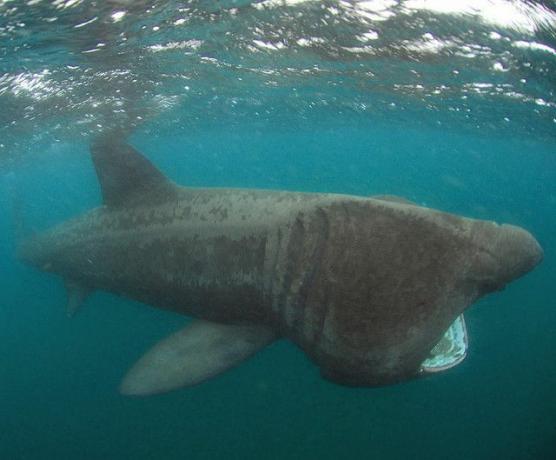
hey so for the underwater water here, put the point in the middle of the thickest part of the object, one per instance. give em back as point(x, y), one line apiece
point(452, 107)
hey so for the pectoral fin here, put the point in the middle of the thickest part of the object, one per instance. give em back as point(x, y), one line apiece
point(192, 355)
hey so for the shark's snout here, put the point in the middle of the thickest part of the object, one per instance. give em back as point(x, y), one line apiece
point(519, 251)
point(508, 252)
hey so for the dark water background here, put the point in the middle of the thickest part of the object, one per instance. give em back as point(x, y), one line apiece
point(327, 110)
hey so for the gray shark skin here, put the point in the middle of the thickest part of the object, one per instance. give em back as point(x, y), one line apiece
point(364, 286)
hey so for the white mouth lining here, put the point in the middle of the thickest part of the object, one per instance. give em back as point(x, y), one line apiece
point(450, 350)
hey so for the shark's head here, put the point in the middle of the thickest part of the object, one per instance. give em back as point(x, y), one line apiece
point(502, 253)
point(426, 269)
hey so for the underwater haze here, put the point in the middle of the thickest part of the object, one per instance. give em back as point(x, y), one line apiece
point(450, 104)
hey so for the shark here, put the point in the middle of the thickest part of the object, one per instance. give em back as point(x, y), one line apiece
point(372, 289)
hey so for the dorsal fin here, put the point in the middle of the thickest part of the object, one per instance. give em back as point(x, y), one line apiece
point(126, 177)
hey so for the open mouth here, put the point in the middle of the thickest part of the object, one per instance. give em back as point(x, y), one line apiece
point(450, 350)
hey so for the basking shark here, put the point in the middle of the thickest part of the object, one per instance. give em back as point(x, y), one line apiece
point(372, 289)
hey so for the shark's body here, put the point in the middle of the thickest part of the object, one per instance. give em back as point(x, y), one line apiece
point(365, 286)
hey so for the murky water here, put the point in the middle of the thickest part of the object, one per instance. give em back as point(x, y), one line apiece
point(450, 104)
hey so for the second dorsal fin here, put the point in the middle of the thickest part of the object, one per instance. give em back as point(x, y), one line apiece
point(394, 199)
point(126, 177)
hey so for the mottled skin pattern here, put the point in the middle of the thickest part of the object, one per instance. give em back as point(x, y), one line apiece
point(364, 286)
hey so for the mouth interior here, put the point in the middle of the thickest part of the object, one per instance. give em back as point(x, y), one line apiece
point(450, 350)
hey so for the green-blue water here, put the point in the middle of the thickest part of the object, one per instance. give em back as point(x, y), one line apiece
point(59, 377)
